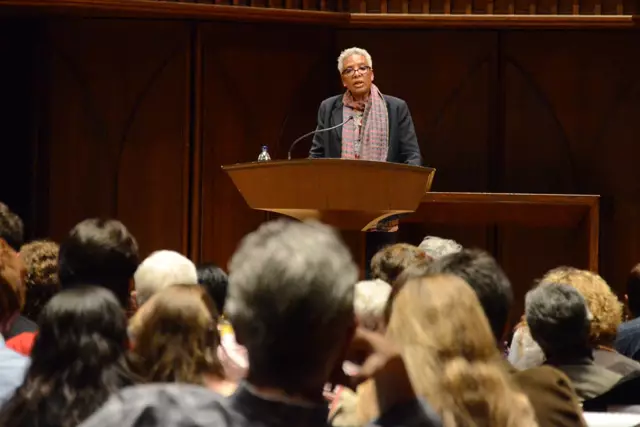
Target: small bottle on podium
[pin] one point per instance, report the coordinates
(264, 155)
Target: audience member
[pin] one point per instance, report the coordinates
(606, 311)
(559, 321)
(41, 260)
(391, 261)
(176, 339)
(370, 301)
(628, 339)
(291, 288)
(437, 247)
(12, 232)
(11, 228)
(216, 282)
(549, 390)
(12, 364)
(162, 269)
(451, 356)
(77, 361)
(232, 355)
(99, 252)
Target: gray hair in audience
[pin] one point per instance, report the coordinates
(370, 302)
(437, 247)
(290, 301)
(558, 318)
(160, 270)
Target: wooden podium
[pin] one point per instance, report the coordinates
(347, 194)
(351, 195)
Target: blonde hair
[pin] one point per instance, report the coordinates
(603, 304)
(175, 337)
(451, 355)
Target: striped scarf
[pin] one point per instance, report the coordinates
(367, 136)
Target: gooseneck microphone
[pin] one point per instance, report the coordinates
(313, 133)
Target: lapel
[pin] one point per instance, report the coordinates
(336, 134)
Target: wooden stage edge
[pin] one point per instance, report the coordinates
(213, 12)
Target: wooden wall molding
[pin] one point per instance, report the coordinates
(621, 16)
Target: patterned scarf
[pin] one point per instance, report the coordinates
(367, 136)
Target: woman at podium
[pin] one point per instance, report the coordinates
(375, 126)
(368, 126)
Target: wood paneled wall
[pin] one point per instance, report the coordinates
(133, 118)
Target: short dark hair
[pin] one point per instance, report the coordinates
(558, 318)
(633, 291)
(99, 252)
(481, 271)
(215, 281)
(11, 227)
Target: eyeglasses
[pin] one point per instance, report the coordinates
(350, 72)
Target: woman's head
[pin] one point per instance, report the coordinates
(215, 281)
(82, 330)
(451, 354)
(77, 361)
(443, 315)
(603, 304)
(41, 260)
(176, 337)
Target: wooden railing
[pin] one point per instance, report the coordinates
(359, 13)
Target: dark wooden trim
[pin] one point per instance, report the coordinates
(396, 20)
(175, 10)
(203, 11)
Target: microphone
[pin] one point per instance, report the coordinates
(313, 133)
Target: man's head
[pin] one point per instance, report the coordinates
(11, 227)
(216, 282)
(632, 295)
(558, 318)
(486, 278)
(99, 252)
(160, 270)
(290, 301)
(356, 70)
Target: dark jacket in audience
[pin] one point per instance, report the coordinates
(551, 395)
(170, 405)
(625, 393)
(21, 325)
(615, 362)
(628, 339)
(589, 380)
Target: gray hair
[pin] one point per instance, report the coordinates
(162, 269)
(558, 318)
(437, 247)
(370, 302)
(350, 52)
(290, 301)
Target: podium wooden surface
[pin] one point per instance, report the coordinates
(526, 210)
(347, 194)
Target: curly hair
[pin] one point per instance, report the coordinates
(41, 260)
(603, 303)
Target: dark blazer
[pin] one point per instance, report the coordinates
(403, 144)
